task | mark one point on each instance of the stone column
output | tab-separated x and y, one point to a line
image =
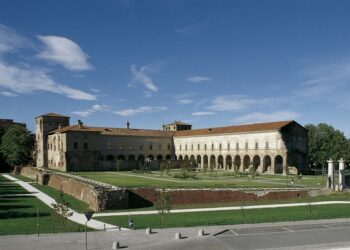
330	179
285	167
341	174
224	162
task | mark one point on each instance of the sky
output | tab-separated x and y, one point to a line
206	62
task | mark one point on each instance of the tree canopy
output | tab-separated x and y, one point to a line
17	145
325	142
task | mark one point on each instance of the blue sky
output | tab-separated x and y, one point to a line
210	63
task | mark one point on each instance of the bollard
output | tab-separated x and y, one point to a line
148	230
115	245
200	232
178	236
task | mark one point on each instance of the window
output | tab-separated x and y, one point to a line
267	145
120	146
256	145
212	146
198	146
85	145
192	147
228	146
186	147
220	146
75	145
141	147
246	145
160	146
168	146
205	146
150	146
130	146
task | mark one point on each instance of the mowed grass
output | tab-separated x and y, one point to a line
233	217
204	180
75	204
18	214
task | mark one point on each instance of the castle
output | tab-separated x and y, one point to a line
268	147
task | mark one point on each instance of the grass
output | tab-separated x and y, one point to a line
75	204
18	214
204	180
233	217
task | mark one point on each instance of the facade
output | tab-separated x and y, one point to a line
268	147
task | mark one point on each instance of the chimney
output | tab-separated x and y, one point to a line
60	126
127	125
80	123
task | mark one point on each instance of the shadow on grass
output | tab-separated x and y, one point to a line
14	215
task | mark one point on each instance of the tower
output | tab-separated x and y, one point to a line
43	125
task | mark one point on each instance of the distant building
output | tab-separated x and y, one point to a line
267	147
5	123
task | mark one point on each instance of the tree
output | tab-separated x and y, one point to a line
325	142
61	211
162	204
17	145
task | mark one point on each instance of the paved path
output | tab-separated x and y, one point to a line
191	210
76	217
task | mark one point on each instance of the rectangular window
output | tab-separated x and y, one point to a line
85	145
205	146
220	146
198	146
168	146
212	146
186	147
150	146
160	146
192	147
75	145
141	147
267	145
246	145
228	146
130	146
256	145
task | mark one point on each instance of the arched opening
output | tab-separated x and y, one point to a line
141	158
199	161
110	158
256	162
220	161
278	164
192	159
150	157
237	162
246	162
228	162
180	158
267	163
212	162
159	157
131	158
205	161
168	157
186	158
121	157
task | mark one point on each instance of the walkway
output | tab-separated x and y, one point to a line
213	209
76	217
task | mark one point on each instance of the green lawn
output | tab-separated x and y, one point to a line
74	203
233	217
204	180
18	214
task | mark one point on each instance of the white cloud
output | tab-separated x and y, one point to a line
184	101
267	117
139	110
82	113
10	40
198	79
27	80
63	51
142	75
232	103
203	113
98	107
8	94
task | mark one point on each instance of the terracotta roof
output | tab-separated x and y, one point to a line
115	131
234	129
53	115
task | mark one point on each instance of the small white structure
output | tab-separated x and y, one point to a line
148	230
178	236
330	179
115	245
341	174
201	232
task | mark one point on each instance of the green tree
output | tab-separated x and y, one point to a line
325	142
17	145
162	204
